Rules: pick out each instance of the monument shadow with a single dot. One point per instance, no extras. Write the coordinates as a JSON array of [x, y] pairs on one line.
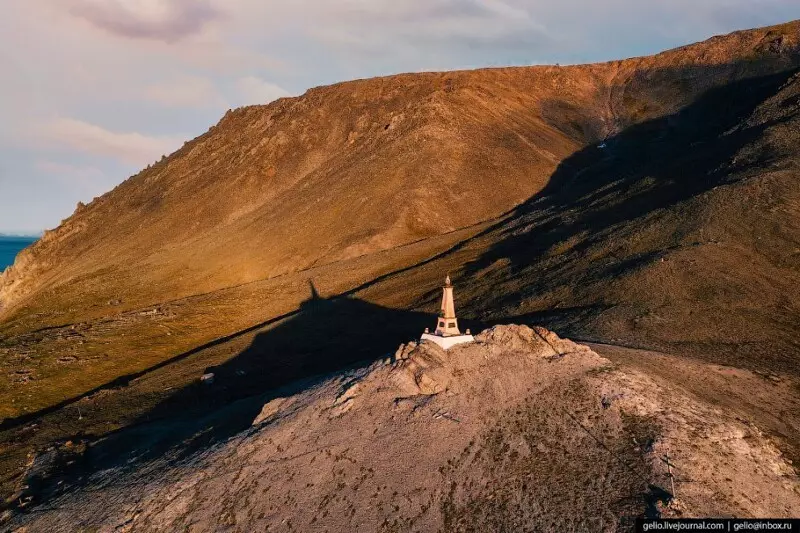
[[324, 337]]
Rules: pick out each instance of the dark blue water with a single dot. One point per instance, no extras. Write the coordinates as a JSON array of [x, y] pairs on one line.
[[10, 247]]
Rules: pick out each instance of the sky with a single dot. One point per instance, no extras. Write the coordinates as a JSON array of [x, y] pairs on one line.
[[94, 90]]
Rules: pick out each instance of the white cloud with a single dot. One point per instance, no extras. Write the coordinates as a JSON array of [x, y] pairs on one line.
[[162, 20], [254, 90], [127, 147], [418, 34], [448, 22], [68, 170]]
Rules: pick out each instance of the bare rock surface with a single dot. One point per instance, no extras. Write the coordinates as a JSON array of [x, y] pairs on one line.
[[521, 430]]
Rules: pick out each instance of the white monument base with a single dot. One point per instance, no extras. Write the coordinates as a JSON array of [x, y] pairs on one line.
[[447, 342]]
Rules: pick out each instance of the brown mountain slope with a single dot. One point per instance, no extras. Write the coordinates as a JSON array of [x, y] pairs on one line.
[[358, 167], [336, 173], [276, 194]]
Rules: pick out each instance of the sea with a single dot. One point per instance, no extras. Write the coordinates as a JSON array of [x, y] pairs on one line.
[[10, 247]]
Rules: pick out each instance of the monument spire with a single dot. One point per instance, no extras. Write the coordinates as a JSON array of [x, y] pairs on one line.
[[448, 323], [447, 333]]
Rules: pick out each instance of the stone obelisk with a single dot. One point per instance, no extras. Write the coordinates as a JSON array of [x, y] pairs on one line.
[[448, 323], [447, 333]]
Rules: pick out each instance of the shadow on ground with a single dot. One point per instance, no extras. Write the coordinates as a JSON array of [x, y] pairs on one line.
[[324, 337], [647, 167]]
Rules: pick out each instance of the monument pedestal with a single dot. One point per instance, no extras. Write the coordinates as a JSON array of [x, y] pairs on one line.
[[449, 341]]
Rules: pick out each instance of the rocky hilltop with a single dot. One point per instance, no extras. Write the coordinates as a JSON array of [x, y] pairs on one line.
[[519, 431]]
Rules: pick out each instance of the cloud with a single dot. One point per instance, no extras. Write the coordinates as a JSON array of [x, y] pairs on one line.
[[162, 20], [127, 147], [254, 90], [185, 91]]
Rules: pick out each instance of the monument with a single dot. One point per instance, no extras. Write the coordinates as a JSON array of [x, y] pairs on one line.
[[447, 333]]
